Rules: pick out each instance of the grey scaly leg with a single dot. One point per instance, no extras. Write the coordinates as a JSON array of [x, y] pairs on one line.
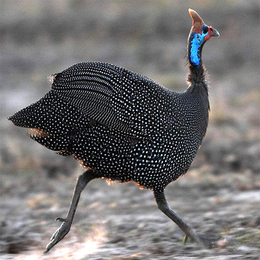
[[188, 231], [64, 229]]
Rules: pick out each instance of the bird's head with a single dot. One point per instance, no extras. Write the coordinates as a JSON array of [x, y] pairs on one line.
[[199, 34]]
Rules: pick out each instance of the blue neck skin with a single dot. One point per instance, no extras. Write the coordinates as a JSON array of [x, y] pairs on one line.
[[195, 48]]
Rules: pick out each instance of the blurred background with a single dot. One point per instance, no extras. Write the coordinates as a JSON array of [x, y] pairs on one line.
[[39, 38]]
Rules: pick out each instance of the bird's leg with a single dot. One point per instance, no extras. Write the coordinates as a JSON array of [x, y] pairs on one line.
[[64, 229], [188, 231]]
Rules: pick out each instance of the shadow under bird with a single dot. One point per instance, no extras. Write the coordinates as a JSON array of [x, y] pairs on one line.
[[124, 126]]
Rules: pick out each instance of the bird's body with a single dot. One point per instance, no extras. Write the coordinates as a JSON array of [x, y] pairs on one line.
[[123, 126]]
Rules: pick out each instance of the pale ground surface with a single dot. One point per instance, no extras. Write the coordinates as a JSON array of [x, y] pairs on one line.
[[120, 221], [219, 196]]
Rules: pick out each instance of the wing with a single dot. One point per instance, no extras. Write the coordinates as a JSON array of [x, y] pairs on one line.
[[122, 100]]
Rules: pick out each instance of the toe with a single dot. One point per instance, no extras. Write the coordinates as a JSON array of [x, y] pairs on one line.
[[60, 219]]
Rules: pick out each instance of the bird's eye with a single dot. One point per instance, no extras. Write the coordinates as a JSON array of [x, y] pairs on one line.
[[205, 29]]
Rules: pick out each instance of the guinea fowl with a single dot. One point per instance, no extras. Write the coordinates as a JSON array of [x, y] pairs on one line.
[[123, 126]]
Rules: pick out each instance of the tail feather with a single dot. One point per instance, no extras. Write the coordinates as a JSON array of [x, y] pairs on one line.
[[54, 122], [25, 117]]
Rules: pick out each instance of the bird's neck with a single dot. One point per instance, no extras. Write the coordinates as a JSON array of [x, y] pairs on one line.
[[197, 84], [196, 74]]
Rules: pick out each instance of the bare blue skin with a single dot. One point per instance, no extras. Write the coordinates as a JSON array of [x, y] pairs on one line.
[[196, 44]]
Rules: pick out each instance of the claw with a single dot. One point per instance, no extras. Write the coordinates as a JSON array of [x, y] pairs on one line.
[[185, 239]]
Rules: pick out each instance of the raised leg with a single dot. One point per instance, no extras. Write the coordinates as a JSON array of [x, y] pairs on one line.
[[188, 231], [64, 229]]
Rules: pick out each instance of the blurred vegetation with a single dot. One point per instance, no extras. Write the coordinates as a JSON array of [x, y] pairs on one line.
[[39, 38]]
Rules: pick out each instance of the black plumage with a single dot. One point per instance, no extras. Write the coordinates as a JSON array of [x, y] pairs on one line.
[[122, 126]]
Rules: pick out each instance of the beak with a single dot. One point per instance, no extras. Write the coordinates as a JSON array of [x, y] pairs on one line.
[[215, 33]]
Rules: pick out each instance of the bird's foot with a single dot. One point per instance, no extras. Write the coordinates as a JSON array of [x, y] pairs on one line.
[[60, 233], [207, 242]]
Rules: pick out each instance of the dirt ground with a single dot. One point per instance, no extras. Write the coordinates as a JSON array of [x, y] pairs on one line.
[[219, 196], [119, 221]]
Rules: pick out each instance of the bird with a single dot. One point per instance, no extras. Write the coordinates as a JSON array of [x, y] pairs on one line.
[[123, 126]]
